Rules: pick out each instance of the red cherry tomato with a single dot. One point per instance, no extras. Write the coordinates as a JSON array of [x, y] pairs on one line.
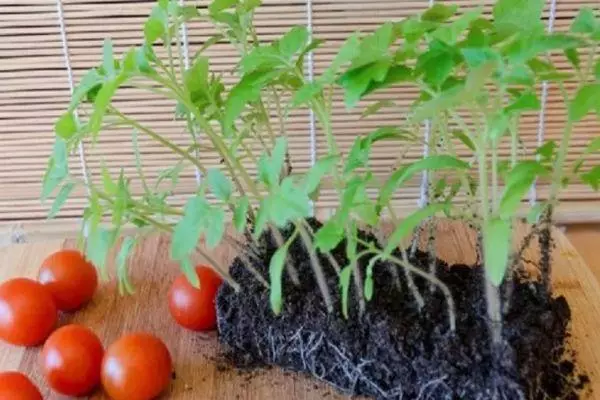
[[136, 367], [16, 386], [27, 312], [71, 360], [71, 279], [194, 308]]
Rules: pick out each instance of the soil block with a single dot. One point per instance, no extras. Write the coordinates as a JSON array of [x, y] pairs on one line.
[[394, 350]]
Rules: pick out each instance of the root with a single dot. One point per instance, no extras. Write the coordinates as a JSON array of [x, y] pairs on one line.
[[434, 280]]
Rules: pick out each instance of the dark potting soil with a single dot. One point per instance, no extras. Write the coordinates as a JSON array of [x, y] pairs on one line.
[[395, 351]]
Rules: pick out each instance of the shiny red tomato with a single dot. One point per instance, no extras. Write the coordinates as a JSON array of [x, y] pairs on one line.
[[71, 279], [27, 312], [71, 360], [194, 308], [16, 386], [136, 367]]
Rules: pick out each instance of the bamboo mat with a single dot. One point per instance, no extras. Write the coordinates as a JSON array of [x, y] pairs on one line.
[[199, 377]]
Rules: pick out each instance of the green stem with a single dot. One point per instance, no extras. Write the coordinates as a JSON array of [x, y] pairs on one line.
[[165, 142]]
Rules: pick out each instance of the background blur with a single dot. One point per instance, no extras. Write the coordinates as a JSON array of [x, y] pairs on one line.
[[34, 90]]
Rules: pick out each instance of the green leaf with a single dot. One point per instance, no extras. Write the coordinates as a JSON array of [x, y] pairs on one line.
[[519, 75], [356, 81], [446, 100], [351, 241], [187, 232], [593, 146], [246, 91], [592, 178], [321, 168], [101, 103], [276, 267], [89, 81], [497, 127], [66, 126], [410, 223], [547, 150], [527, 101], [196, 78], [214, 225], [573, 57], [262, 217], [533, 216], [240, 214], [190, 273], [375, 107], [125, 286], [288, 203], [431, 163], [465, 139], [306, 93], [156, 25], [436, 64], [314, 44], [585, 22], [524, 171], [108, 58], [345, 276], [530, 47], [375, 47], [329, 236], [369, 285], [220, 5], [58, 168], [269, 168], [586, 100], [60, 199], [513, 195], [219, 184], [451, 32], [293, 42], [478, 56], [349, 50], [211, 41], [439, 13], [358, 155], [497, 240], [512, 16], [395, 74], [98, 244]]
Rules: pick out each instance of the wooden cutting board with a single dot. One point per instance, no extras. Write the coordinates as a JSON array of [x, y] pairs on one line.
[[198, 375]]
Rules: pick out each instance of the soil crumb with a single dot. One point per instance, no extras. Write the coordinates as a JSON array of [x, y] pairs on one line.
[[394, 350]]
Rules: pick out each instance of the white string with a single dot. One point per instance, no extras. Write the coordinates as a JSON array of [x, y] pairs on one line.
[[424, 189], [542, 119], [186, 63], [311, 76], [67, 58]]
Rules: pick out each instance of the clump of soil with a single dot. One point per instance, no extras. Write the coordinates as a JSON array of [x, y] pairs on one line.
[[395, 351]]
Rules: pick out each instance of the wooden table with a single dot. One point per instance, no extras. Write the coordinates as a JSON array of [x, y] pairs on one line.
[[199, 377]]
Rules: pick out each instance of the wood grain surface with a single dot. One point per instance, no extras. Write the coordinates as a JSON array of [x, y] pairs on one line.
[[197, 374]]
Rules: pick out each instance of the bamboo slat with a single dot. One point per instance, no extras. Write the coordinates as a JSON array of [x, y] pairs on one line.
[[34, 91]]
